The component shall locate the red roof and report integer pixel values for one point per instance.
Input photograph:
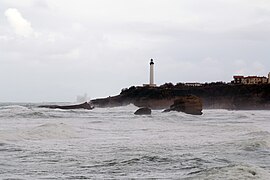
(248, 77)
(238, 77)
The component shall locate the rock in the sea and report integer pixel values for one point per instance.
(187, 104)
(85, 105)
(143, 111)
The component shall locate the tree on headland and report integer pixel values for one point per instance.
(167, 85)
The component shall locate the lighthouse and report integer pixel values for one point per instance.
(151, 83)
(151, 72)
(151, 79)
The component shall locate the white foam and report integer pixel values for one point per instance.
(51, 131)
(42, 132)
(237, 172)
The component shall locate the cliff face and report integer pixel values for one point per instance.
(235, 97)
(113, 101)
(213, 96)
(154, 103)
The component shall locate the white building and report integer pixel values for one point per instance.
(193, 84)
(250, 80)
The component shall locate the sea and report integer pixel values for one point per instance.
(113, 143)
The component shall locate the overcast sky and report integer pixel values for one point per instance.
(54, 50)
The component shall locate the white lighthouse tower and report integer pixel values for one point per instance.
(151, 79)
(151, 83)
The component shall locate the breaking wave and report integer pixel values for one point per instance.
(45, 131)
(237, 172)
(50, 131)
(17, 111)
(260, 141)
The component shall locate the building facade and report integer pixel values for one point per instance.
(250, 80)
(193, 84)
(238, 79)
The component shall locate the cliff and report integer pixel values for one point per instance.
(213, 96)
(233, 97)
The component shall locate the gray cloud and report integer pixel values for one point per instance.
(56, 50)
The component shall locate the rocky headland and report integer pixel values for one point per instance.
(212, 96)
(153, 98)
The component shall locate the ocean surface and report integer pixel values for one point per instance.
(113, 143)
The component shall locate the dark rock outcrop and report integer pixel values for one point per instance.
(85, 105)
(187, 104)
(143, 111)
(113, 101)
